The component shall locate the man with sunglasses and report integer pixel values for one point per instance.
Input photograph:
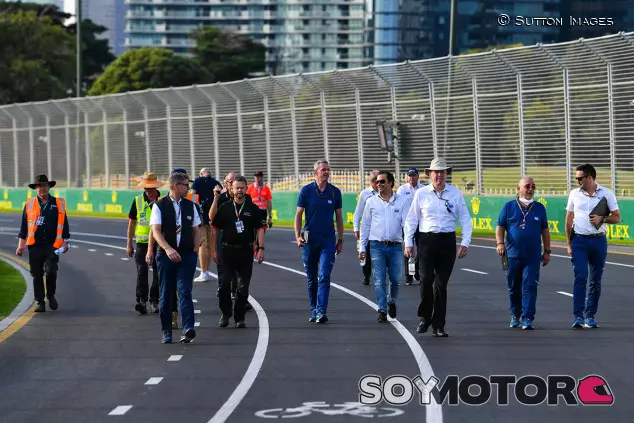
(382, 229)
(586, 230)
(526, 225)
(435, 211)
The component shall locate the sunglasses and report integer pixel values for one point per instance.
(581, 178)
(381, 181)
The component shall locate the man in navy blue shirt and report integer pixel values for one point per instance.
(526, 225)
(319, 200)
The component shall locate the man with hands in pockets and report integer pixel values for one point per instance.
(435, 211)
(382, 225)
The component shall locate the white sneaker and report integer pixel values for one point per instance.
(209, 275)
(202, 278)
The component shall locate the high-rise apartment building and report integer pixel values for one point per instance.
(300, 35)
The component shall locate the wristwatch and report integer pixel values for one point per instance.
(547, 251)
(261, 248)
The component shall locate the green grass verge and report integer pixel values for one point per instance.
(12, 289)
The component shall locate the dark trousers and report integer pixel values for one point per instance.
(408, 277)
(437, 255)
(142, 275)
(367, 267)
(173, 277)
(237, 263)
(43, 261)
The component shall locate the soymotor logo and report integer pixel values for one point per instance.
(477, 390)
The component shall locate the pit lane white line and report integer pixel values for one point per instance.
(256, 362)
(120, 410)
(564, 293)
(475, 271)
(153, 381)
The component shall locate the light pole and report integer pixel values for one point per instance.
(452, 19)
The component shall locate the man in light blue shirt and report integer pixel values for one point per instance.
(382, 229)
(356, 220)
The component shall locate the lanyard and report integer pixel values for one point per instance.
(523, 224)
(43, 209)
(236, 209)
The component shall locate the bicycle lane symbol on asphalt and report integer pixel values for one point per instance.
(320, 407)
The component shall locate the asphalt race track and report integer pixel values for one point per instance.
(96, 360)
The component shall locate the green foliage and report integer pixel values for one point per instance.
(37, 58)
(228, 56)
(149, 67)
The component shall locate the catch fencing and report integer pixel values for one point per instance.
(537, 110)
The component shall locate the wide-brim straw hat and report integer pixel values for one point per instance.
(438, 164)
(150, 180)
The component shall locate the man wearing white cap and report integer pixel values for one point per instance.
(434, 212)
(408, 190)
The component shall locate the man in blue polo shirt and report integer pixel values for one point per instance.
(320, 200)
(526, 225)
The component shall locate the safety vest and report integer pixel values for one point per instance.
(143, 214)
(33, 213)
(193, 197)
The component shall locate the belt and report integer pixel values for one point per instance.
(592, 235)
(388, 243)
(249, 245)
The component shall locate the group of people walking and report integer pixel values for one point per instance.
(416, 223)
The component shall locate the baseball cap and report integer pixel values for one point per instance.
(178, 170)
(413, 171)
(258, 173)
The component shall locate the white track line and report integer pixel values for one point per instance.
(196, 324)
(434, 410)
(196, 311)
(153, 381)
(256, 362)
(194, 300)
(175, 358)
(475, 271)
(120, 410)
(108, 254)
(564, 293)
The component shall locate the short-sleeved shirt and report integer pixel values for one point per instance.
(581, 204)
(157, 218)
(204, 186)
(230, 213)
(260, 195)
(319, 208)
(133, 211)
(523, 243)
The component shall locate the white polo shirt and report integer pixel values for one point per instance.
(383, 220)
(581, 204)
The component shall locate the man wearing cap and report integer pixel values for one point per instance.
(204, 186)
(371, 191)
(45, 231)
(435, 211)
(261, 196)
(408, 190)
(139, 228)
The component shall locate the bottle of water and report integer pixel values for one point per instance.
(411, 266)
(361, 262)
(59, 251)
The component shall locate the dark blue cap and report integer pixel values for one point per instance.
(178, 170)
(413, 171)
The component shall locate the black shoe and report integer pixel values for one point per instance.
(423, 326)
(391, 310)
(322, 319)
(224, 321)
(417, 277)
(248, 306)
(366, 281)
(440, 333)
(141, 307)
(189, 336)
(241, 324)
(409, 280)
(52, 303)
(41, 307)
(382, 317)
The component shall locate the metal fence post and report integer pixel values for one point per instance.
(126, 145)
(214, 124)
(432, 105)
(67, 143)
(168, 122)
(146, 129)
(239, 122)
(49, 155)
(397, 157)
(31, 146)
(14, 125)
(190, 121)
(324, 114)
(293, 131)
(105, 146)
(87, 146)
(357, 100)
(267, 131)
(476, 121)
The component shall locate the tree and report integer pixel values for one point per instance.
(149, 67)
(37, 58)
(228, 56)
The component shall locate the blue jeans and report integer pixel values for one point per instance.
(173, 276)
(587, 252)
(319, 259)
(390, 259)
(522, 279)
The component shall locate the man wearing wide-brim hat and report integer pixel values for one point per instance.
(434, 212)
(139, 228)
(45, 231)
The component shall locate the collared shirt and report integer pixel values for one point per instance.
(523, 243)
(581, 204)
(133, 212)
(429, 213)
(408, 191)
(358, 211)
(383, 220)
(319, 208)
(156, 219)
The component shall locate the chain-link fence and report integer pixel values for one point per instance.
(495, 116)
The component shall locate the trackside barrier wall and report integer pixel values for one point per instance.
(484, 209)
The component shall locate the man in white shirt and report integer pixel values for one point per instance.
(358, 214)
(587, 242)
(435, 211)
(382, 230)
(408, 190)
(175, 227)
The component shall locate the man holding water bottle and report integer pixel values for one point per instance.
(382, 228)
(45, 231)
